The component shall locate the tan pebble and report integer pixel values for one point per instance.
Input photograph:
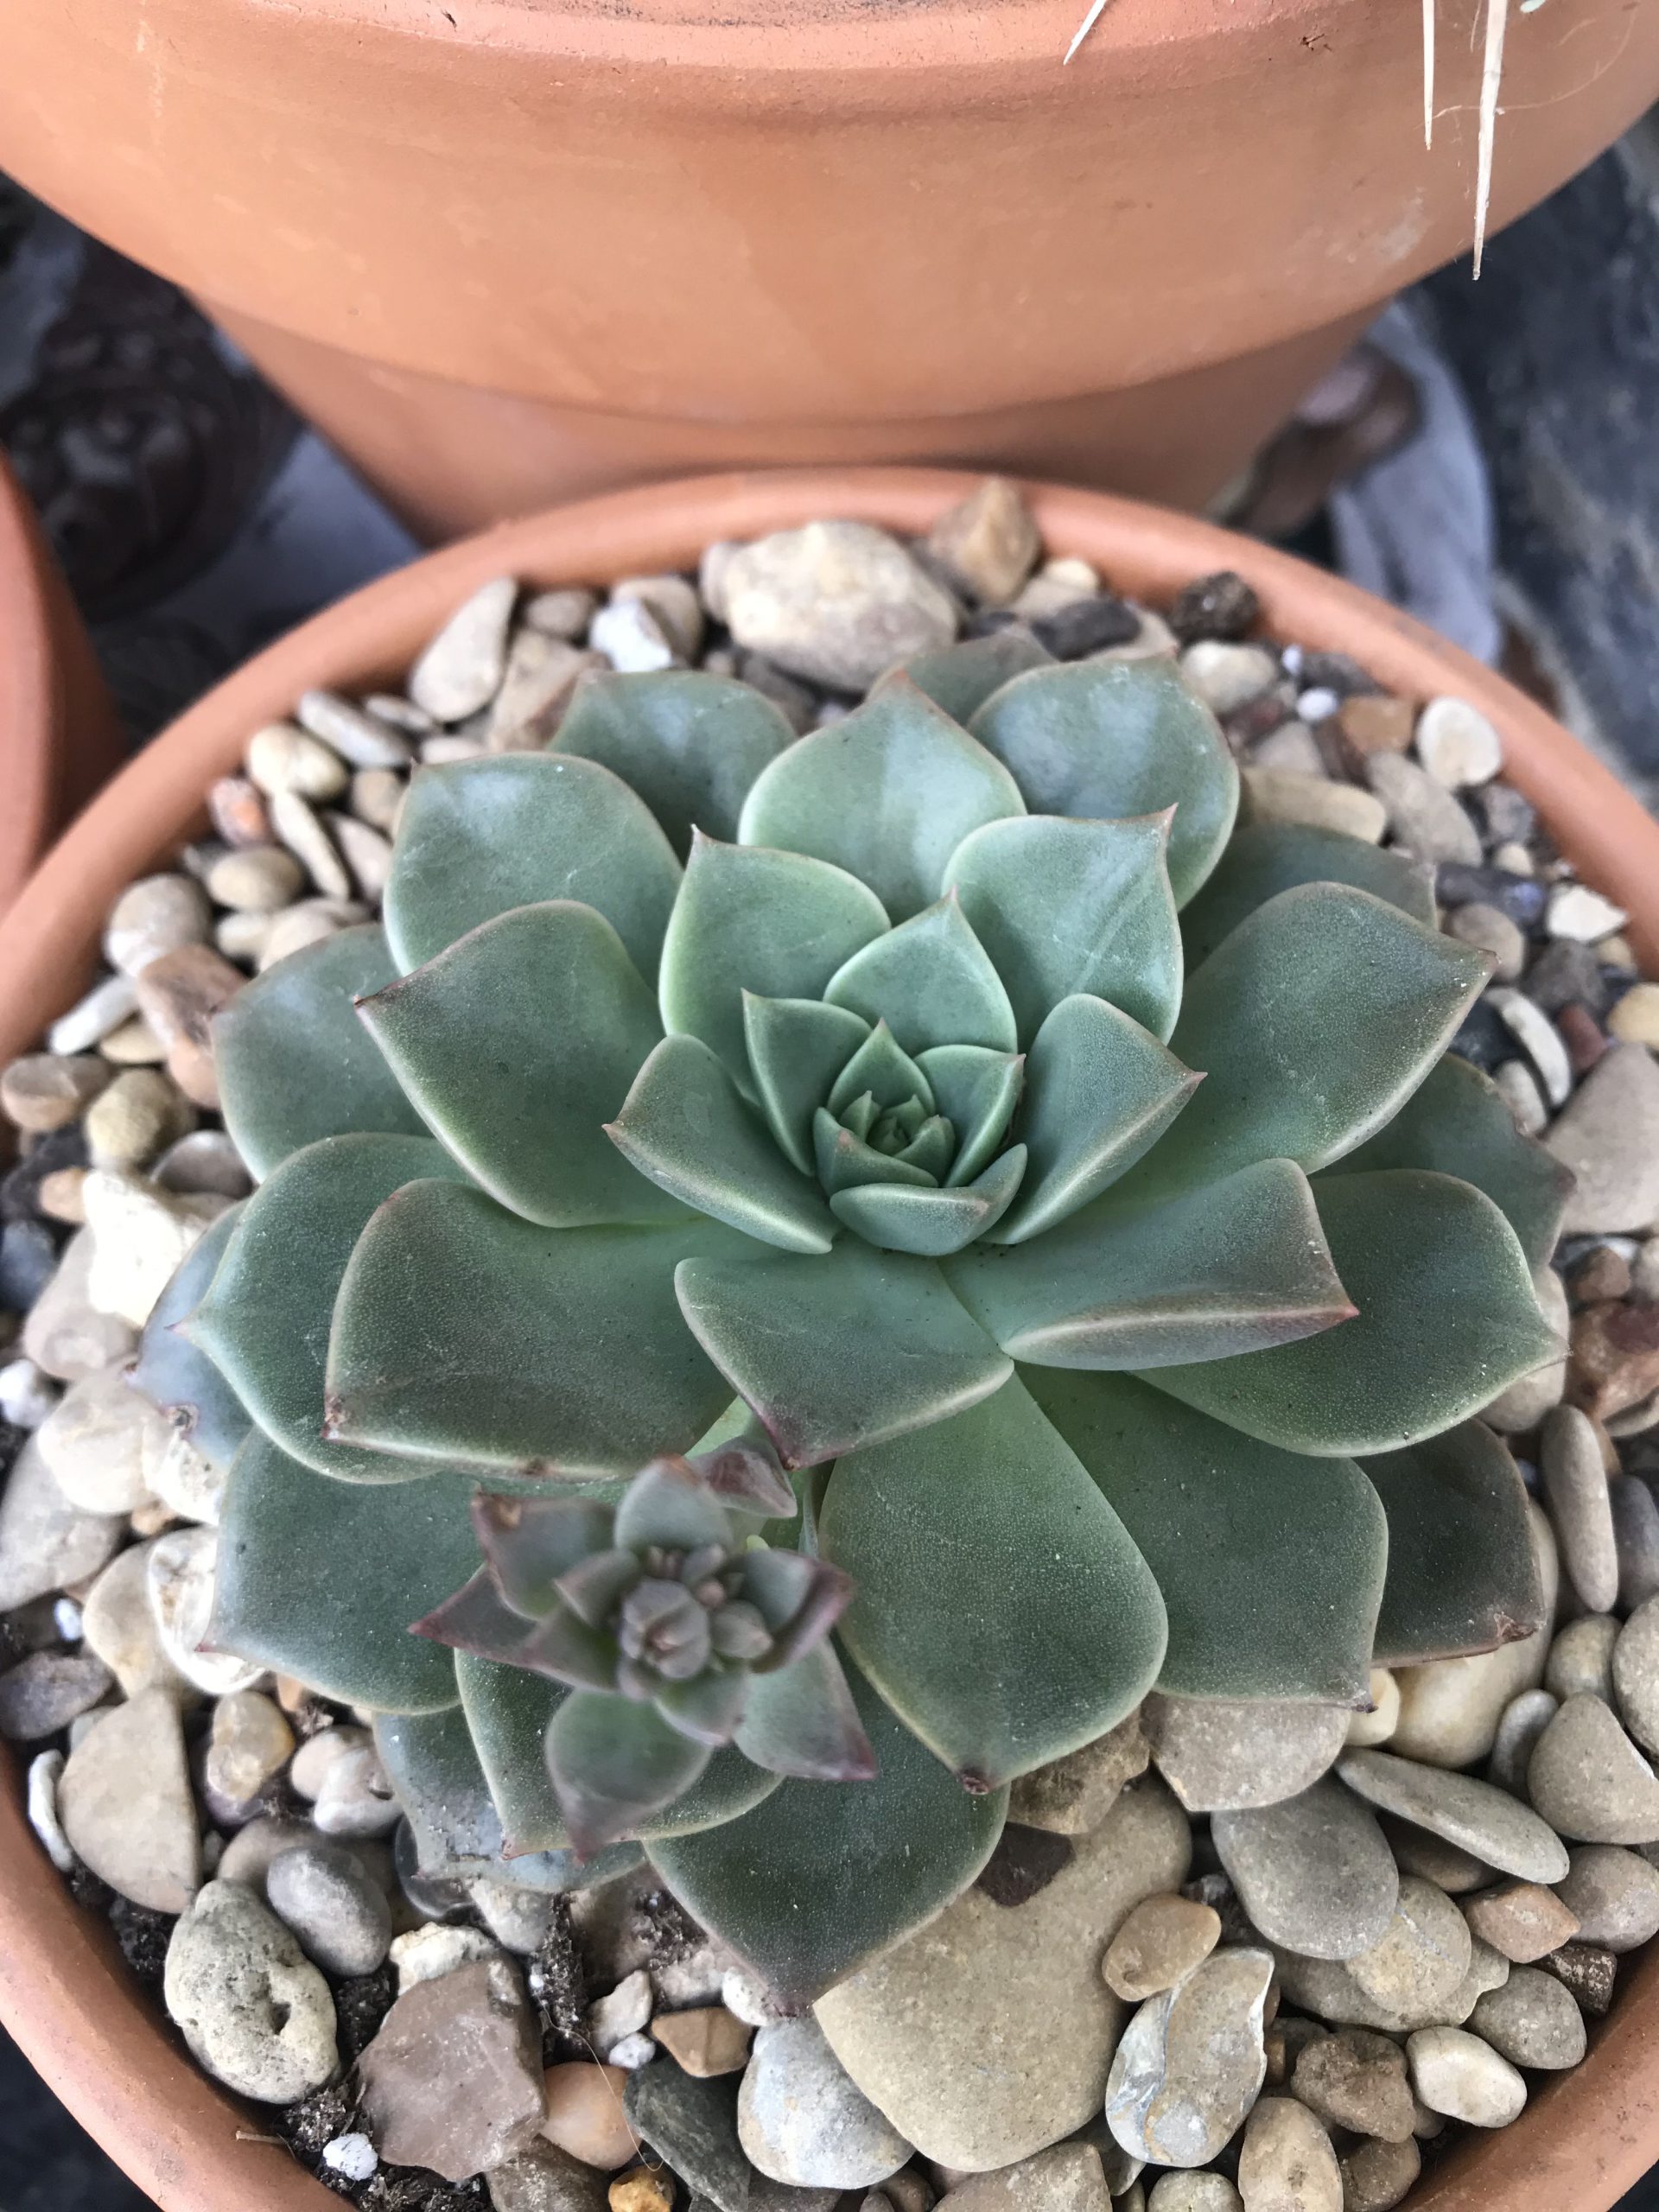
(1489, 930)
(366, 853)
(179, 995)
(157, 915)
(1280, 795)
(318, 1753)
(134, 1045)
(1634, 1019)
(1581, 1658)
(1521, 1920)
(988, 543)
(377, 798)
(1457, 2074)
(443, 752)
(61, 1196)
(1377, 1725)
(284, 759)
(1356, 2079)
(706, 2041)
(1162, 1939)
(1286, 2163)
(641, 2190)
(1377, 2176)
(251, 1741)
(1374, 721)
(242, 937)
(139, 1113)
(255, 880)
(308, 923)
(566, 613)
(585, 2115)
(238, 812)
(1457, 744)
(46, 1090)
(298, 825)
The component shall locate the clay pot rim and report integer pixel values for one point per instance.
(64, 1994)
(29, 692)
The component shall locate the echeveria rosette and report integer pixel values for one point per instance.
(857, 1075)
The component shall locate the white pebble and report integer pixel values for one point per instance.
(26, 1394)
(632, 2053)
(1457, 744)
(352, 2157)
(43, 1774)
(631, 638)
(104, 1007)
(66, 1619)
(1538, 1037)
(1581, 915)
(1318, 704)
(1518, 1087)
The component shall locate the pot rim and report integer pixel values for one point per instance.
(66, 1994)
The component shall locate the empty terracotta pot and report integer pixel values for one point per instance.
(64, 1994)
(509, 251)
(59, 737)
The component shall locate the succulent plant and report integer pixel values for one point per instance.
(845, 1104)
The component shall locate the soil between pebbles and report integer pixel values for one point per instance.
(1328, 1986)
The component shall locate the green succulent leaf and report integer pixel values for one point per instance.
(1461, 1573)
(1206, 1276)
(976, 1090)
(1064, 906)
(1109, 740)
(431, 1762)
(999, 1607)
(839, 1351)
(802, 1722)
(960, 678)
(890, 1853)
(777, 924)
(667, 1505)
(1457, 1124)
(530, 1544)
(887, 793)
(686, 1126)
(1312, 1025)
(796, 1048)
(293, 1062)
(516, 1044)
(614, 1764)
(463, 1334)
(1265, 858)
(1100, 1091)
(881, 1067)
(478, 838)
(1448, 1318)
(931, 1224)
(845, 1162)
(476, 1618)
(930, 982)
(1270, 1563)
(321, 1579)
(690, 744)
(264, 1321)
(171, 1371)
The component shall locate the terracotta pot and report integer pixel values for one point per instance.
(64, 1994)
(59, 736)
(509, 251)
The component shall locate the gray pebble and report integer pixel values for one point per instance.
(1636, 1540)
(460, 670)
(47, 1690)
(1314, 1873)
(341, 1918)
(359, 737)
(45, 1543)
(355, 1798)
(1614, 1894)
(1532, 2021)
(802, 2120)
(1192, 2062)
(1489, 930)
(1220, 1754)
(1635, 1675)
(301, 830)
(1575, 1485)
(1590, 1781)
(1471, 1814)
(1581, 1658)
(253, 2009)
(1522, 1721)
(1423, 816)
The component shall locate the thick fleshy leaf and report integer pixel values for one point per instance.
(1461, 1573)
(684, 1125)
(477, 1618)
(960, 678)
(508, 1712)
(1000, 1606)
(1311, 1025)
(1448, 1318)
(321, 1579)
(478, 838)
(932, 1224)
(845, 1162)
(531, 1542)
(688, 743)
(890, 1853)
(1205, 1275)
(1457, 1124)
(1064, 907)
(293, 1062)
(170, 1370)
(839, 1351)
(517, 1045)
(736, 1460)
(976, 1090)
(1270, 1563)
(707, 1708)
(1100, 1091)
(887, 793)
(1108, 740)
(796, 1048)
(802, 1722)
(930, 982)
(265, 1319)
(463, 1334)
(778, 924)
(882, 1068)
(614, 1764)
(667, 1505)
(433, 1764)
(1265, 858)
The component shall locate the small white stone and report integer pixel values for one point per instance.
(673, 606)
(26, 1393)
(1380, 1723)
(1318, 703)
(1517, 1086)
(104, 1007)
(1538, 1037)
(1457, 744)
(301, 830)
(632, 2053)
(1581, 915)
(157, 914)
(359, 737)
(746, 1997)
(1457, 2074)
(631, 638)
(139, 1235)
(179, 1581)
(352, 2157)
(68, 1620)
(1227, 677)
(462, 670)
(283, 758)
(622, 2012)
(426, 1953)
(43, 1772)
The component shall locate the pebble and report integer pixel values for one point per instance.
(632, 2053)
(1227, 676)
(204, 1163)
(1283, 795)
(1377, 1725)
(540, 683)
(1218, 1754)
(631, 638)
(1634, 1019)
(1575, 1485)
(1193, 2192)
(1415, 1967)
(1416, 1852)
(1314, 1873)
(1457, 2074)
(988, 543)
(1423, 814)
(47, 1690)
(26, 1394)
(1519, 1089)
(1457, 744)
(250, 1742)
(1470, 1814)
(1532, 2021)
(179, 994)
(125, 1803)
(453, 2080)
(352, 2157)
(44, 1090)
(281, 759)
(1580, 915)
(308, 923)
(706, 2041)
(1160, 1944)
(1590, 1781)
(460, 670)
(137, 1115)
(301, 830)
(801, 2119)
(1538, 1039)
(1292, 746)
(584, 2114)
(45, 1543)
(1489, 930)
(247, 1856)
(28, 1259)
(318, 1753)
(355, 1798)
(1589, 1970)
(157, 915)
(367, 854)
(1286, 2163)
(1636, 1677)
(519, 1919)
(1057, 586)
(1609, 1137)
(255, 880)
(1521, 1407)
(238, 811)
(1521, 1921)
(118, 1625)
(178, 1576)
(101, 1440)
(908, 2027)
(254, 2010)
(1581, 1658)
(1377, 2176)
(1615, 1363)
(428, 1953)
(377, 798)
(1356, 2079)
(341, 1916)
(624, 2010)
(1192, 2062)
(1372, 722)
(40, 1803)
(361, 738)
(1073, 1795)
(1614, 1896)
(104, 1007)
(836, 602)
(545, 2179)
(1067, 2178)
(135, 1044)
